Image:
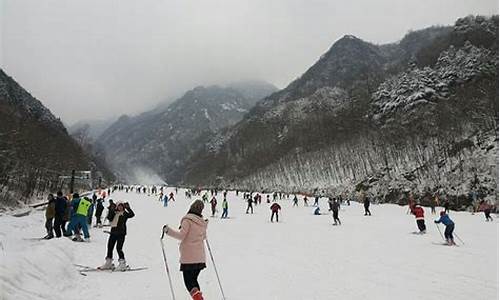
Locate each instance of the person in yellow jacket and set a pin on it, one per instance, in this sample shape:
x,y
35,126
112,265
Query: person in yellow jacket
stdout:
x,y
79,217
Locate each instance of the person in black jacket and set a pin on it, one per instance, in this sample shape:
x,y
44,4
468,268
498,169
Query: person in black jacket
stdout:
x,y
61,204
366,203
118,219
98,212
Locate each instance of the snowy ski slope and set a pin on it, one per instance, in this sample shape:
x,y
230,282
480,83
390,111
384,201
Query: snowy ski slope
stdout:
x,y
302,257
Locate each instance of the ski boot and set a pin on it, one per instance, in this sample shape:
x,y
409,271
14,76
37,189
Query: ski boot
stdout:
x,y
77,238
108,265
196,294
122,266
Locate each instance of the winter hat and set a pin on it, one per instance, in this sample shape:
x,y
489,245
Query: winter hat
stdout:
x,y
197,207
442,213
76,195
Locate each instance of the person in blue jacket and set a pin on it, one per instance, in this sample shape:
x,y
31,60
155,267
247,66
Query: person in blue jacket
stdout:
x,y
450,226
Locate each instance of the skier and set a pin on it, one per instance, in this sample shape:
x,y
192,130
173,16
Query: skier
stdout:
x,y
486,208
366,203
447,206
317,211
213,203
305,201
295,201
205,197
79,218
192,233
250,204
160,197
60,212
268,199
98,212
165,200
171,196
224,209
275,208
335,212
418,211
316,200
434,203
450,226
50,214
118,218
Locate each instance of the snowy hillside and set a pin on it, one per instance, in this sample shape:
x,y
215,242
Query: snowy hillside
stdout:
x,y
301,257
418,115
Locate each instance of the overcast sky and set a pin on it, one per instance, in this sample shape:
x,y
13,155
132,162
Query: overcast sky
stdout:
x,y
101,58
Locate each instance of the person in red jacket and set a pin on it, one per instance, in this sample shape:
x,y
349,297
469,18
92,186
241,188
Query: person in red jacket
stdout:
x,y
418,211
274,209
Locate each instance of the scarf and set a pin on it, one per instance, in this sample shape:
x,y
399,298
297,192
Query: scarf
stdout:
x,y
117,216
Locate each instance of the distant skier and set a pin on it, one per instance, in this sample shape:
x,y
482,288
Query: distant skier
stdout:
x,y
316,201
249,204
450,226
98,212
418,211
295,201
213,204
192,233
165,200
171,196
317,211
268,200
118,218
366,204
434,203
335,212
275,208
224,209
50,213
446,206
486,208
305,201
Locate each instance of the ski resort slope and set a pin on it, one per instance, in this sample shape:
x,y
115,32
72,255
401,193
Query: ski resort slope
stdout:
x,y
301,257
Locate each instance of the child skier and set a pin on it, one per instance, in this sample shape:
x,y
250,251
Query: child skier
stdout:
x,y
418,211
450,226
118,219
275,208
192,233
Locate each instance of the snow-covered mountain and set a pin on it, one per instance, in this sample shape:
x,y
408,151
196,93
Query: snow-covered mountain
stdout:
x,y
161,141
419,115
35,147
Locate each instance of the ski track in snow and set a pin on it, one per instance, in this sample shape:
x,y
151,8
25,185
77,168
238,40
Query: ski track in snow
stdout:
x,y
302,257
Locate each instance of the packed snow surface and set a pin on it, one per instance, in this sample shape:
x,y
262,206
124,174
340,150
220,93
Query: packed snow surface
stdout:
x,y
301,257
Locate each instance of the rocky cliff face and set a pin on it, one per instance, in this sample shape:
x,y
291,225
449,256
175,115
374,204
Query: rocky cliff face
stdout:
x,y
35,147
161,141
417,115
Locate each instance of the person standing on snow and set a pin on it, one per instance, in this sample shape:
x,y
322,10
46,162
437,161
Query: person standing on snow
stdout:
x,y
79,217
335,212
418,211
165,200
250,204
366,203
316,200
450,226
118,219
60,212
224,209
305,201
486,208
295,200
275,208
50,214
98,212
192,233
171,197
213,204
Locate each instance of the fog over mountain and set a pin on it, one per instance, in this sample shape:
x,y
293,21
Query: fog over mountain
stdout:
x,y
96,59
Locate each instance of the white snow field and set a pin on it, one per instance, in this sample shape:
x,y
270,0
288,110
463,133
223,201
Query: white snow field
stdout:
x,y
301,257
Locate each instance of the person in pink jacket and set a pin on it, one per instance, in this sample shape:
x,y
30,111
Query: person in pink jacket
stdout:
x,y
192,233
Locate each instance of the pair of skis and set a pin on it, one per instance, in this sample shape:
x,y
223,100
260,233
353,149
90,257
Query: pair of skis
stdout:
x,y
84,269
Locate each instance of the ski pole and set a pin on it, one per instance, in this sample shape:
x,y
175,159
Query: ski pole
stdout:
x,y
459,238
166,265
440,232
215,268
